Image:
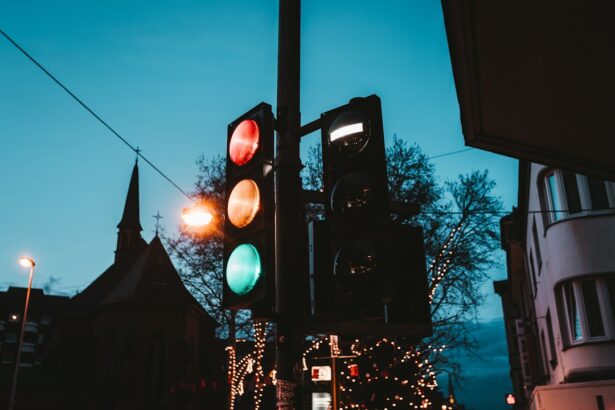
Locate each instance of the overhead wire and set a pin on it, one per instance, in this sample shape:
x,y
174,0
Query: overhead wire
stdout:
x,y
450,153
137,151
88,109
512,212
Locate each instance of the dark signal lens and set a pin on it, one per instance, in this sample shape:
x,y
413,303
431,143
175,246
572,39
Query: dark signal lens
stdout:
x,y
243,203
244,142
352,196
354,266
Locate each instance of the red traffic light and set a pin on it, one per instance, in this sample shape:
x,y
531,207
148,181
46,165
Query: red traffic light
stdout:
x,y
353,369
244,142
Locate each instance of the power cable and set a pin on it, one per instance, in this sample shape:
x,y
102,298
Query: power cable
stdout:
x,y
139,154
450,153
511,212
88,109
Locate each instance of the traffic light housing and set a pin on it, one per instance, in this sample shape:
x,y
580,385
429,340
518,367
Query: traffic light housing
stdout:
x,y
249,212
356,202
367,273
403,308
408,302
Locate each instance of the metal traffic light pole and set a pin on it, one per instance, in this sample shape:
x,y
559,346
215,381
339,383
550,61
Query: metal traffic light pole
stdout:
x,y
289,239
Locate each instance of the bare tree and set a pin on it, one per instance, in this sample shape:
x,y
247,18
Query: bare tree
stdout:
x,y
460,223
199,254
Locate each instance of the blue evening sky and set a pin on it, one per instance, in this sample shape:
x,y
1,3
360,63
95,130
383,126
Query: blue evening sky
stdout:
x,y
169,76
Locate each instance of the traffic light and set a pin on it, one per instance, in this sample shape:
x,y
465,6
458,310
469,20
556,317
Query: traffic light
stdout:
x,y
367,273
356,203
249,214
408,303
399,304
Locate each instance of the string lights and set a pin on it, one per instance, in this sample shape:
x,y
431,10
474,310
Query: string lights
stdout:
x,y
252,363
408,369
441,263
389,373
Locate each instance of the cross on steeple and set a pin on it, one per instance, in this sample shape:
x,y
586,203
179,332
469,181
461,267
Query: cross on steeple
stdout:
x,y
158,217
137,152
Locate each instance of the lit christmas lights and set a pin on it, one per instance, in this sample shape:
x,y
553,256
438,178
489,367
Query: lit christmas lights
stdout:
x,y
441,263
252,363
389,375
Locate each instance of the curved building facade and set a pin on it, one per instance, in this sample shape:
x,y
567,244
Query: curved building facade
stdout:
x,y
560,291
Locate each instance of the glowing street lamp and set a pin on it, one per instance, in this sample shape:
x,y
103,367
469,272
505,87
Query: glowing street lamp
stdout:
x,y
197,216
26,262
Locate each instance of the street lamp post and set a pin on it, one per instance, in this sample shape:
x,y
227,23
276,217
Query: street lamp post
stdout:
x,y
27,263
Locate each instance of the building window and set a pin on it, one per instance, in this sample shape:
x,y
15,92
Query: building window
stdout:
x,y
592,308
554,200
571,189
587,304
552,351
572,310
526,367
597,193
533,273
536,245
565,193
610,282
27,355
9,352
544,354
10,337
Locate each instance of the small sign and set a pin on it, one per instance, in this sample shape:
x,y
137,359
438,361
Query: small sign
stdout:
x,y
321,373
510,399
334,344
321,401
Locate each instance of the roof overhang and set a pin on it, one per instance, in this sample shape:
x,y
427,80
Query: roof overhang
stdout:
x,y
535,79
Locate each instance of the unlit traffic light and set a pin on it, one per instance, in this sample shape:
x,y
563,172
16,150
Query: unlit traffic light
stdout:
x,y
356,202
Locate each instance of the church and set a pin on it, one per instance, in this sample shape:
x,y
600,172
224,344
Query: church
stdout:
x,y
135,338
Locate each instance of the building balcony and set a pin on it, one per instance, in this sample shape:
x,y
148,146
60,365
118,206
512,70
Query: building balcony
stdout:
x,y
581,245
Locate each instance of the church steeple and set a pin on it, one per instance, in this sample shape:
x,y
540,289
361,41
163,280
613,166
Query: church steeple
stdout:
x,y
129,228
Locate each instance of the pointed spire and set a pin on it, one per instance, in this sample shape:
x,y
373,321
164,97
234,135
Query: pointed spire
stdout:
x,y
129,232
131,218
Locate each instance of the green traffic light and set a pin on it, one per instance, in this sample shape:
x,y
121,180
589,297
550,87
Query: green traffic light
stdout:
x,y
243,269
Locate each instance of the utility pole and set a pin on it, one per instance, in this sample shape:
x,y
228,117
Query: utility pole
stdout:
x,y
26,262
289,238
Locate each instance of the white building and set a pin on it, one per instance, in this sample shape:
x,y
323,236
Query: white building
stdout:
x,y
559,298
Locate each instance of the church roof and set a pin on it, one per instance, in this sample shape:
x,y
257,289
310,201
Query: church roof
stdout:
x,y
148,275
98,290
151,276
143,273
